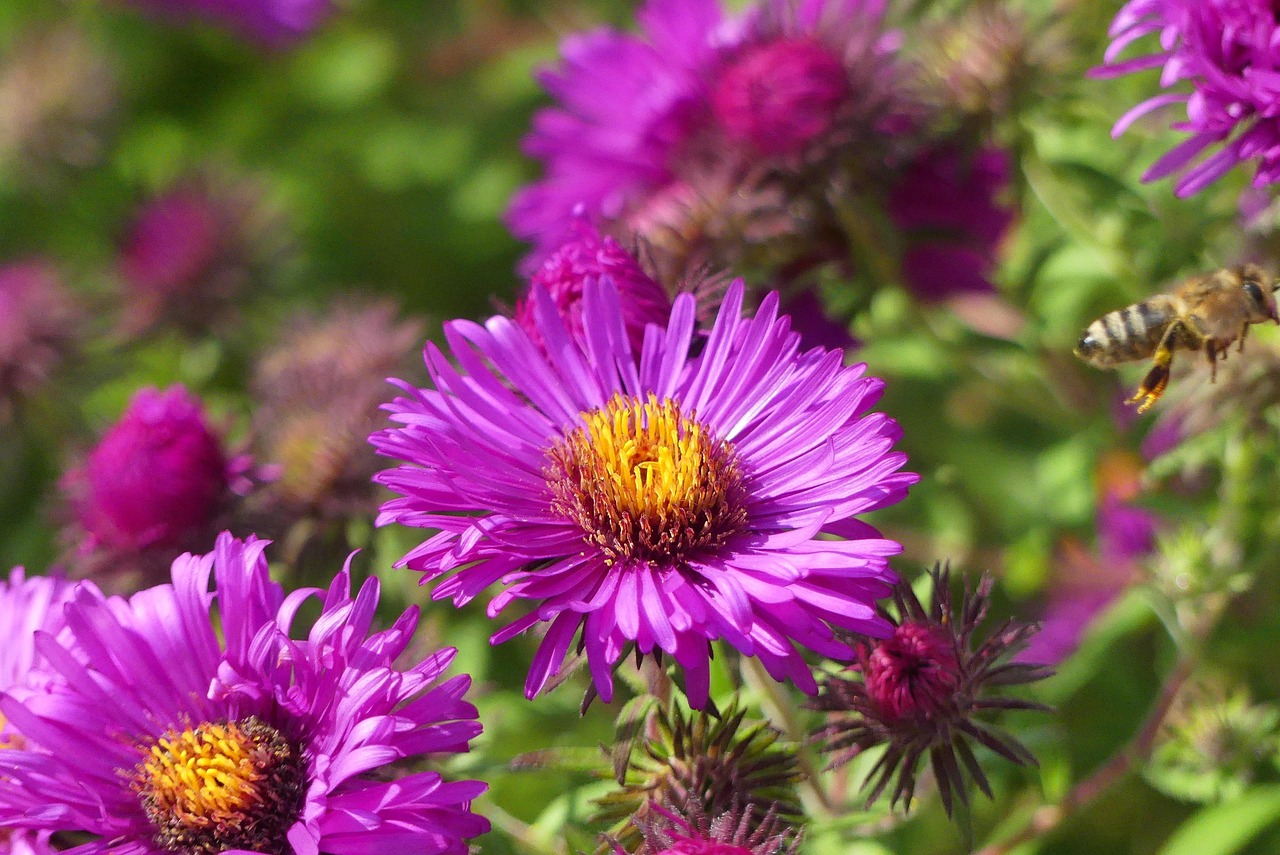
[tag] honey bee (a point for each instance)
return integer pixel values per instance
(1209, 311)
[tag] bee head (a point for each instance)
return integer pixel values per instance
(1260, 289)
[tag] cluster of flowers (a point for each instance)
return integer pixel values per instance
(644, 459)
(642, 482)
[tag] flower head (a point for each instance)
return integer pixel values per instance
(37, 327)
(177, 728)
(657, 503)
(28, 604)
(187, 254)
(781, 85)
(921, 690)
(156, 478)
(718, 766)
(587, 257)
(1218, 57)
(949, 209)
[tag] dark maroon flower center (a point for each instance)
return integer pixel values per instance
(780, 96)
(913, 674)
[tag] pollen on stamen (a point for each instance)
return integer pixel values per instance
(646, 482)
(222, 785)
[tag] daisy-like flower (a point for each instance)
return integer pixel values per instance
(1219, 58)
(919, 691)
(27, 604)
(657, 503)
(173, 726)
(948, 206)
(640, 115)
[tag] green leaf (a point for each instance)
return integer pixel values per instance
(1226, 828)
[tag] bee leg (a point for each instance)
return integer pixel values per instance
(1244, 330)
(1211, 351)
(1153, 385)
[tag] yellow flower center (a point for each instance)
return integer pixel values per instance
(646, 482)
(221, 785)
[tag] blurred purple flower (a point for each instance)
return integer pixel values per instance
(27, 605)
(779, 96)
(273, 23)
(1126, 533)
(37, 326)
(1228, 52)
(948, 206)
(658, 501)
(178, 728)
(172, 242)
(636, 113)
(156, 478)
(585, 258)
(188, 255)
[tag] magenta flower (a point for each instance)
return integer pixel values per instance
(273, 23)
(779, 96)
(656, 502)
(27, 605)
(156, 478)
(948, 206)
(175, 727)
(638, 114)
(589, 257)
(1220, 59)
(37, 326)
(171, 244)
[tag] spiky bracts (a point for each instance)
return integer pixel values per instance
(919, 692)
(726, 764)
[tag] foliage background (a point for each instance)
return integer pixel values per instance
(387, 146)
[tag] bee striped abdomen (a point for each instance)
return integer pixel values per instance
(1126, 335)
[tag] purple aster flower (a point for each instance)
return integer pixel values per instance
(588, 257)
(638, 113)
(27, 605)
(37, 326)
(188, 254)
(273, 23)
(177, 727)
(948, 206)
(156, 478)
(627, 104)
(659, 502)
(172, 242)
(1219, 58)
